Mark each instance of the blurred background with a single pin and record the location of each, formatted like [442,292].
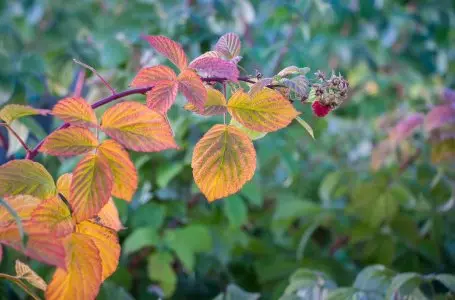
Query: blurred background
[373,188]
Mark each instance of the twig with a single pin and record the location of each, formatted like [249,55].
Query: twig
[34,152]
[17,136]
[79,83]
[20,284]
[97,74]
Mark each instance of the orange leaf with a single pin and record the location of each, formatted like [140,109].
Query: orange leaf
[267,111]
[123,170]
[162,96]
[138,128]
[23,205]
[54,215]
[167,47]
[69,141]
[91,186]
[64,185]
[40,244]
[190,84]
[23,176]
[215,104]
[152,75]
[76,111]
[223,161]
[82,279]
[106,241]
[108,217]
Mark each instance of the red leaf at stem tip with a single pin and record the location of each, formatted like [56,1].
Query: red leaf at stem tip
[167,47]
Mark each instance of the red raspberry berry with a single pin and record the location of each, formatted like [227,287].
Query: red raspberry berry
[320,110]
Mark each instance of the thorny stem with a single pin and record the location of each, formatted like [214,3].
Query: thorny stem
[20,284]
[31,154]
[97,74]
[34,152]
[17,136]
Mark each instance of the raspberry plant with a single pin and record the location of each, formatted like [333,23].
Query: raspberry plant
[72,223]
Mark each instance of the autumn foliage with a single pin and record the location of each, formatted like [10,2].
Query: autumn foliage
[72,222]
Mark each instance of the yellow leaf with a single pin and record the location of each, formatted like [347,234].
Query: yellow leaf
[25,272]
[26,177]
[123,170]
[11,112]
[138,128]
[76,111]
[106,241]
[215,104]
[223,161]
[64,185]
[69,141]
[54,215]
[108,217]
[266,111]
[82,279]
[91,186]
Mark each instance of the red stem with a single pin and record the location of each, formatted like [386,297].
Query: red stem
[34,152]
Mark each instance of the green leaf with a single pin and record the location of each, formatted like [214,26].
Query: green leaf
[447,280]
[374,278]
[187,242]
[253,192]
[111,291]
[328,185]
[114,53]
[233,292]
[166,172]
[149,215]
[159,269]
[403,284]
[306,126]
[306,238]
[345,293]
[235,210]
[140,238]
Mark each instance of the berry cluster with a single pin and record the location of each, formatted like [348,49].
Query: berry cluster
[330,93]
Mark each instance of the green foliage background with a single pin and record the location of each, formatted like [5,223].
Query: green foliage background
[313,204]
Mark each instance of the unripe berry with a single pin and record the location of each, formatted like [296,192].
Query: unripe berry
[320,110]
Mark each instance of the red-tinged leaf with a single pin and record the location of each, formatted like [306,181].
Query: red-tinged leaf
[153,75]
[405,128]
[82,278]
[26,177]
[192,87]
[76,111]
[267,111]
[91,186]
[54,215]
[123,170]
[106,241]
[41,245]
[223,161]
[138,128]
[64,185]
[108,217]
[259,86]
[216,67]
[167,47]
[69,142]
[23,205]
[207,54]
[215,104]
[11,112]
[440,116]
[229,44]
[162,96]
